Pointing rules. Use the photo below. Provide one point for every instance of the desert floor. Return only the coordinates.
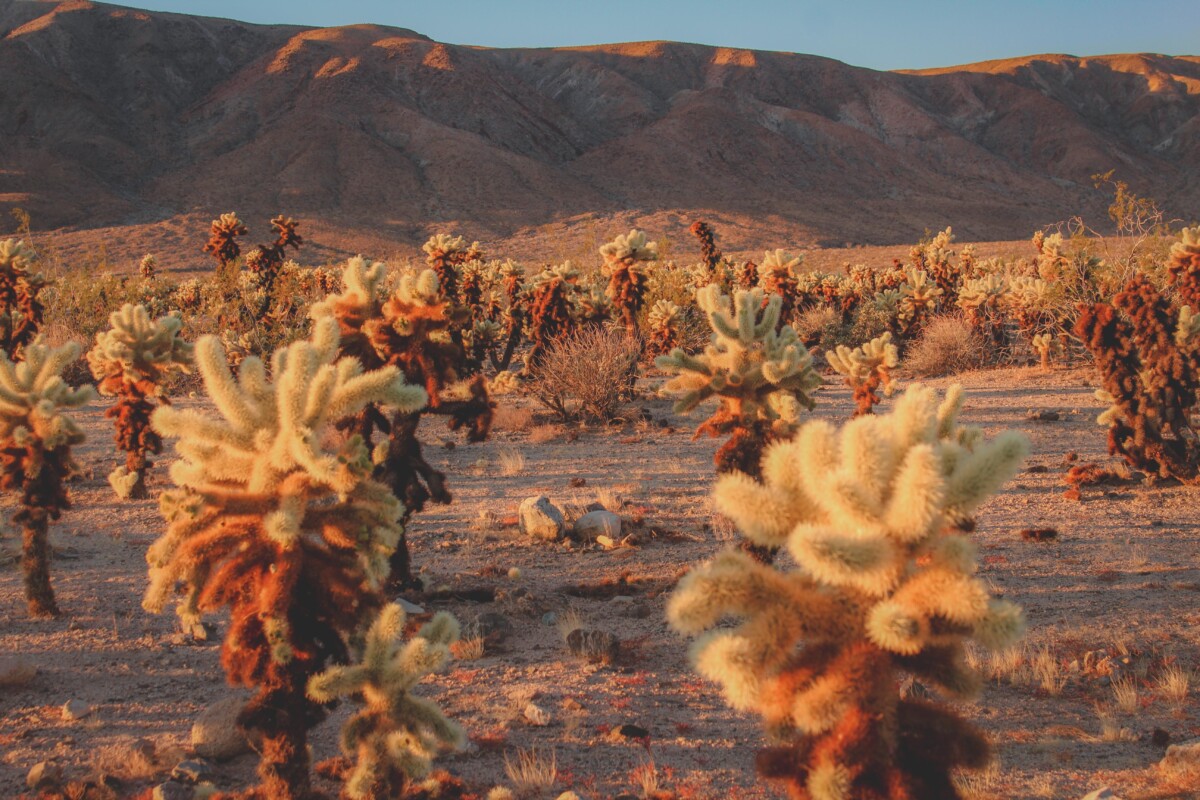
(1122, 576)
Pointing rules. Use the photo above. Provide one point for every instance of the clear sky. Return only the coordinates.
(882, 34)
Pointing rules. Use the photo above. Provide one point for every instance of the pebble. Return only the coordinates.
(75, 709)
(536, 715)
(43, 775)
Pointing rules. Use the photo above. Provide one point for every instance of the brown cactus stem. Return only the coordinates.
(41, 476)
(741, 452)
(709, 251)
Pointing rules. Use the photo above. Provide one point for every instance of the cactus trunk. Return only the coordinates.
(35, 561)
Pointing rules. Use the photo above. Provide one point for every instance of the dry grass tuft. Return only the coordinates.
(512, 462)
(511, 418)
(1125, 695)
(1173, 684)
(532, 773)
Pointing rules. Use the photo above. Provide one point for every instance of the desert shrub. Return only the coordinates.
(947, 345)
(585, 375)
(36, 438)
(281, 526)
(875, 515)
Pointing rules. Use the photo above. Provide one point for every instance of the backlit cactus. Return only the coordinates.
(396, 734)
(778, 274)
(919, 299)
(130, 361)
(759, 371)
(36, 438)
(223, 238)
(1183, 267)
(552, 296)
(875, 515)
(663, 322)
(444, 254)
(21, 307)
(625, 258)
(290, 533)
(408, 330)
(866, 368)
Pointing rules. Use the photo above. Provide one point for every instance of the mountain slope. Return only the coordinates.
(116, 117)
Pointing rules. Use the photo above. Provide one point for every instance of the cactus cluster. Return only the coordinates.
(875, 516)
(36, 437)
(625, 259)
(131, 361)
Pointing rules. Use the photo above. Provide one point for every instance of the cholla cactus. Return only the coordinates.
(292, 537)
(36, 438)
(874, 515)
(935, 258)
(1183, 267)
(593, 307)
(21, 309)
(710, 254)
(396, 734)
(761, 373)
(866, 369)
(267, 260)
(664, 321)
(130, 361)
(1048, 347)
(551, 305)
(624, 266)
(222, 240)
(408, 330)
(444, 254)
(1151, 376)
(984, 299)
(919, 299)
(148, 266)
(778, 274)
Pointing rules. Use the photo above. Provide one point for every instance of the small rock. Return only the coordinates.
(1182, 757)
(75, 709)
(628, 731)
(16, 672)
(577, 483)
(1101, 794)
(409, 608)
(1042, 415)
(536, 715)
(598, 647)
(1160, 738)
(549, 618)
(494, 627)
(191, 771)
(595, 524)
(215, 733)
(44, 775)
(568, 796)
(540, 518)
(172, 790)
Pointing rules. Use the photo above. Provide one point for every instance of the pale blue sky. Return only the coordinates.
(883, 34)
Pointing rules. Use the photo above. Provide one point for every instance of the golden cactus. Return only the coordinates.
(761, 373)
(874, 515)
(867, 368)
(36, 438)
(624, 266)
(130, 361)
(21, 308)
(294, 538)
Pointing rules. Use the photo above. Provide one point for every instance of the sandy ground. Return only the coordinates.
(1121, 576)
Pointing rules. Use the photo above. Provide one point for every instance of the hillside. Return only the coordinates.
(138, 127)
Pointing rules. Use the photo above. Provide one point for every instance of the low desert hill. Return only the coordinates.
(136, 128)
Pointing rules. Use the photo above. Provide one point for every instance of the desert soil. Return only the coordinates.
(1121, 576)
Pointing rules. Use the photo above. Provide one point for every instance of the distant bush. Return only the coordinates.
(585, 375)
(947, 345)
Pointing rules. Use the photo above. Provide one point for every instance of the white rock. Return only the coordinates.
(540, 519)
(595, 524)
(75, 709)
(536, 715)
(44, 775)
(1101, 794)
(408, 607)
(215, 733)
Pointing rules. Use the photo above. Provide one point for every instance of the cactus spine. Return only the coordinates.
(130, 361)
(36, 438)
(874, 515)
